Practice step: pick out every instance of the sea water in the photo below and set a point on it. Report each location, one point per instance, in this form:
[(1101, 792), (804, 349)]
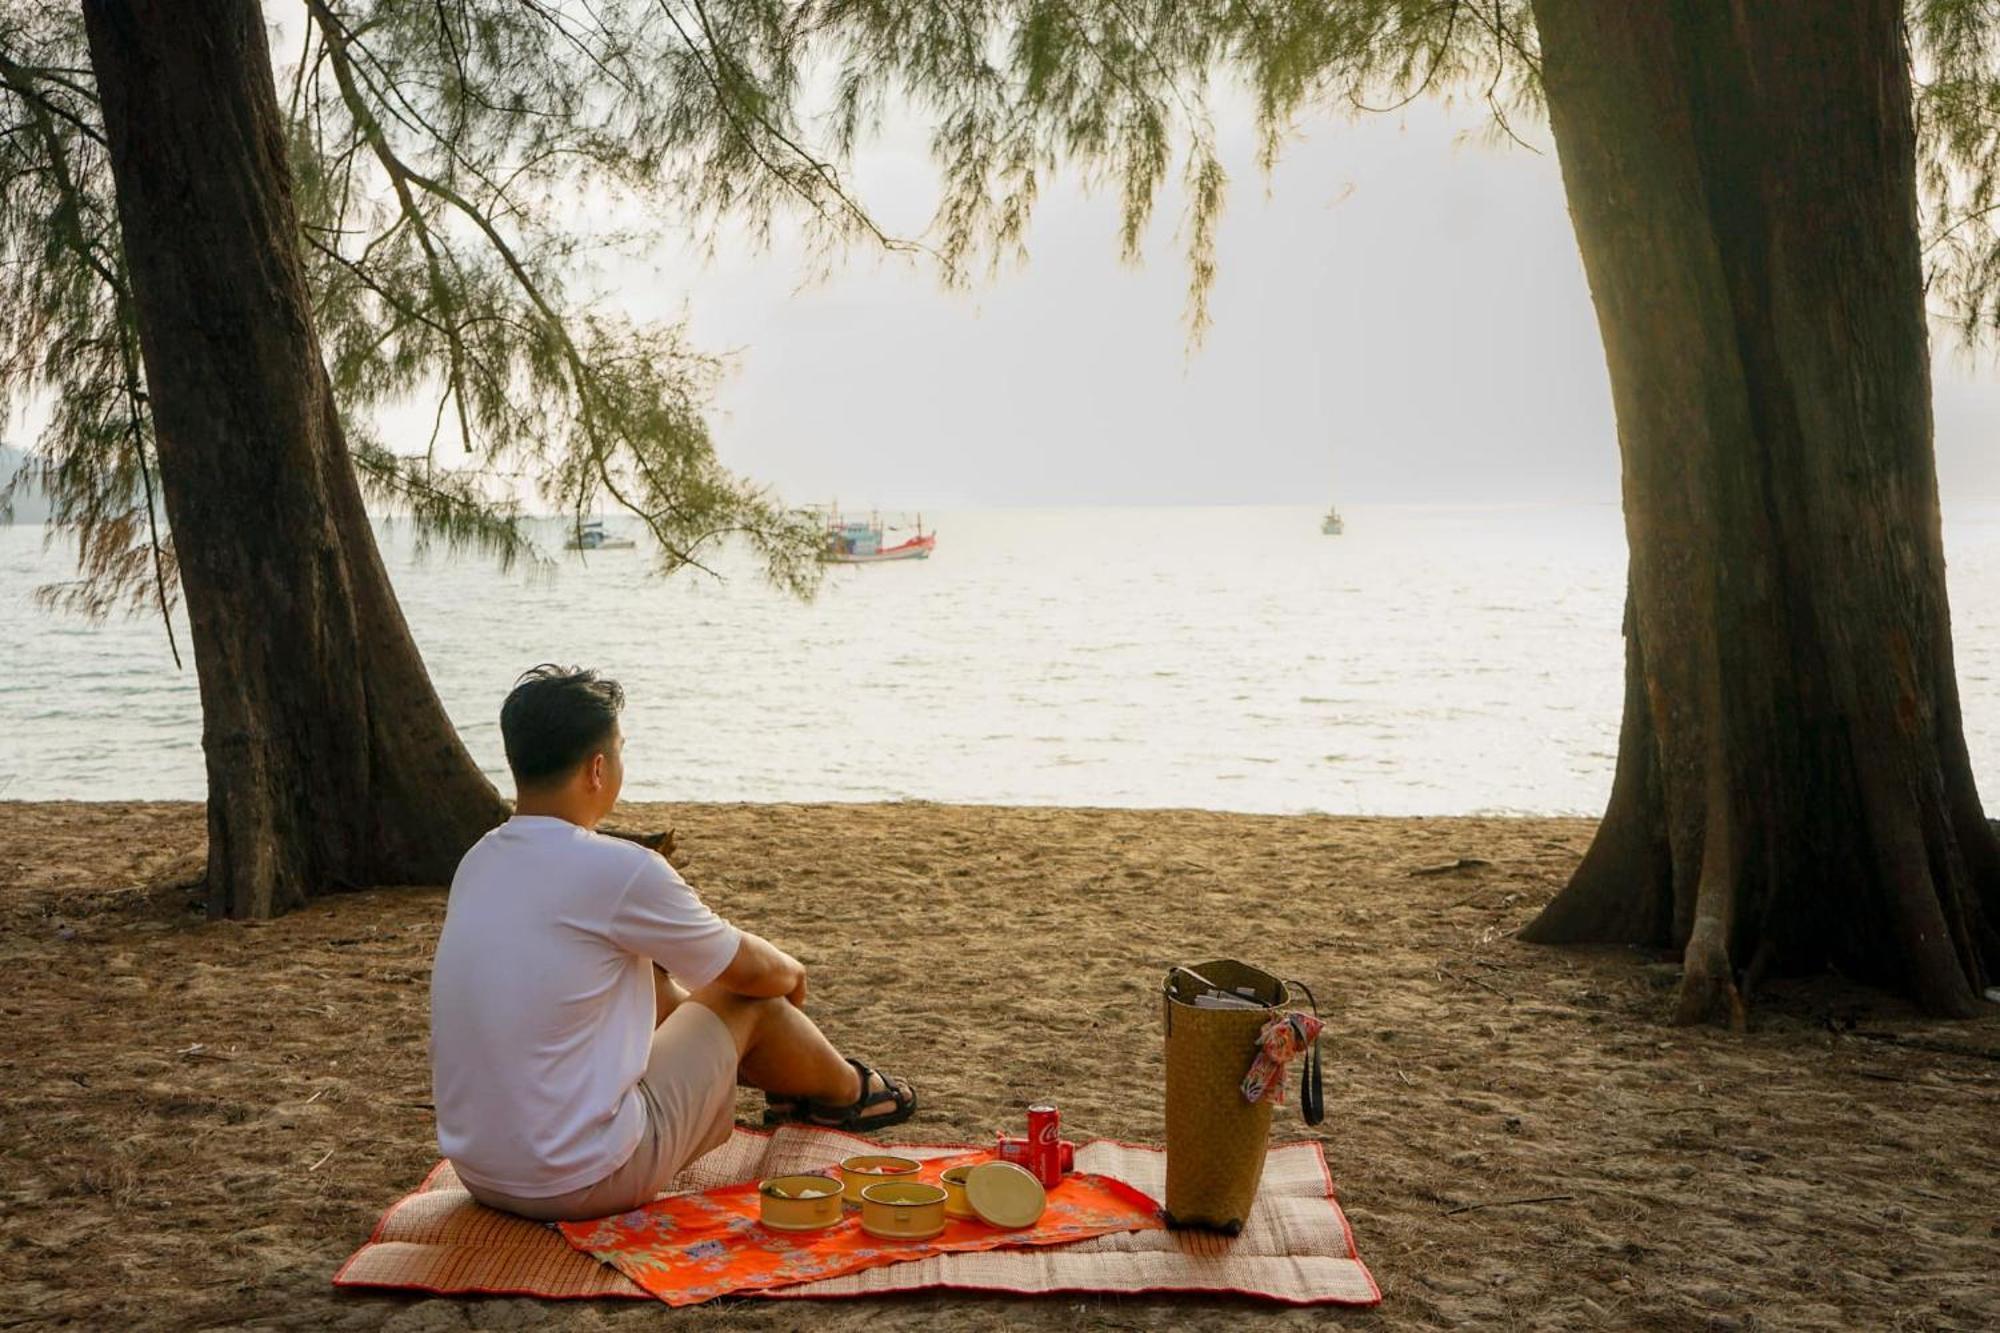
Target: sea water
[(1428, 661)]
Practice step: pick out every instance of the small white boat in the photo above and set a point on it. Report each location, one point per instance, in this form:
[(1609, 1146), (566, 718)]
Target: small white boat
[(591, 536), (1332, 525)]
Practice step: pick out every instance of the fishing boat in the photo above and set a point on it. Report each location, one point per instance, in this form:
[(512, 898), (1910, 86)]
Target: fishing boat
[(1332, 525), (591, 536), (861, 541)]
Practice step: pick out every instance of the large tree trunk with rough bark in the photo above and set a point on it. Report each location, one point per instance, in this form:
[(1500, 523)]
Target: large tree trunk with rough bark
[(1793, 792), (330, 760)]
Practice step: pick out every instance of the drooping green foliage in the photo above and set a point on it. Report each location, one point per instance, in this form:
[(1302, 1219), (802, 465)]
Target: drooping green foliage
[(1956, 76), (66, 323), (454, 165), (1119, 90), (459, 167)]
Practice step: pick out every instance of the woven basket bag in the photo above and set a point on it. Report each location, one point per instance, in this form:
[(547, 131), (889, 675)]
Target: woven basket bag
[(1216, 1141)]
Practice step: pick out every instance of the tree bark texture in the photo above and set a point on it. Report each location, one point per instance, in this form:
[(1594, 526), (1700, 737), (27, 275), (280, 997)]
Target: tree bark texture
[(330, 760), (1793, 791)]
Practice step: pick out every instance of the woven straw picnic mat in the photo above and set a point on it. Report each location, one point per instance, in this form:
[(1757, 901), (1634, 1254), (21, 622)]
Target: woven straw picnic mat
[(1296, 1248)]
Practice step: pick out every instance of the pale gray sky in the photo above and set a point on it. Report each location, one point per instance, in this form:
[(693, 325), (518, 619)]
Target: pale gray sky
[(1402, 316)]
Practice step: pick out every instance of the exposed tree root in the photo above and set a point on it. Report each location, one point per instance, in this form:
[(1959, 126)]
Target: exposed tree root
[(1708, 990)]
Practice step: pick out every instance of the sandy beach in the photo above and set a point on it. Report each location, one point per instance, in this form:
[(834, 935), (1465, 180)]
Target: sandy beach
[(199, 1121)]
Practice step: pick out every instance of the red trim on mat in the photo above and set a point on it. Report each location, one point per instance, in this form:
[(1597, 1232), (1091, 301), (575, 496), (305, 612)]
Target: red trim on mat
[(1346, 1227), (613, 1295), (1261, 1297)]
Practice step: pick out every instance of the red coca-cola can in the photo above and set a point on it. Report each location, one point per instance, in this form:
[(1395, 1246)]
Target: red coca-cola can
[(1018, 1150), (1045, 1143)]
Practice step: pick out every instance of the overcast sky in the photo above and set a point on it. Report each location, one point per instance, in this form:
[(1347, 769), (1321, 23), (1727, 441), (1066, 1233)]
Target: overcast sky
[(1399, 316)]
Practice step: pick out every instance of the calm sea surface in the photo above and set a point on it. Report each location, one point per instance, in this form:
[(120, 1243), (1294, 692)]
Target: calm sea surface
[(1430, 661)]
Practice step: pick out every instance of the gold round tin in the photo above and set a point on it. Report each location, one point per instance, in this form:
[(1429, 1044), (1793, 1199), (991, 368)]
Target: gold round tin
[(799, 1203), (903, 1210), (872, 1169), (955, 1202), (1005, 1195)]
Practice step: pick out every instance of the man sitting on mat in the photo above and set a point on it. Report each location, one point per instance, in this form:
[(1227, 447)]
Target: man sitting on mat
[(572, 1079)]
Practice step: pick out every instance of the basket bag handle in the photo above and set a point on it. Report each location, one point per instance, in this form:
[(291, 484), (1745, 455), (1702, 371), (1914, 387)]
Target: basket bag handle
[(1312, 1094)]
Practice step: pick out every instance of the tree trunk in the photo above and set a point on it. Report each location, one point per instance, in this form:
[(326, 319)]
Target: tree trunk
[(330, 760), (1793, 792)]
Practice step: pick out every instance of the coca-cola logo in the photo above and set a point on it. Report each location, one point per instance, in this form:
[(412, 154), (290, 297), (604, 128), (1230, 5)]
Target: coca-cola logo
[(1048, 1134)]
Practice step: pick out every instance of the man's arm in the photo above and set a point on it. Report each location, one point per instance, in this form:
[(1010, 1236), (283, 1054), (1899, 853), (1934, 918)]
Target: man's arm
[(763, 970)]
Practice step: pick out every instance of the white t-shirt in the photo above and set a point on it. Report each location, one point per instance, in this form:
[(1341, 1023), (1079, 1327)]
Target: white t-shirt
[(542, 1001)]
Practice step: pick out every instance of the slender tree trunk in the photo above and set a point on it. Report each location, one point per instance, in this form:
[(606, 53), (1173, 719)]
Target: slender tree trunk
[(1793, 791), (330, 760)]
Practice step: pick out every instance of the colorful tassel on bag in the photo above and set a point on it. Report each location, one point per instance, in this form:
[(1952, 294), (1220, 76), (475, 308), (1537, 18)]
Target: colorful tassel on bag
[(1284, 1039)]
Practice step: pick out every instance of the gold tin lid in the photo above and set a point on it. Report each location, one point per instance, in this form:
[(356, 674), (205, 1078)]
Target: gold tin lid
[(1005, 1195), (880, 1164)]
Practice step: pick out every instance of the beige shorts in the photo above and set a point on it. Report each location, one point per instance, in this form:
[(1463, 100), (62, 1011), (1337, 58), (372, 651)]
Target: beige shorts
[(689, 1094)]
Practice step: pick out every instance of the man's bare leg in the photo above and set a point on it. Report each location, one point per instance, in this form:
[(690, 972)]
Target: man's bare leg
[(781, 1050)]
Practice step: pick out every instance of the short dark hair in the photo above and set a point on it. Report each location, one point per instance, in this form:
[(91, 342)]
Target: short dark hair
[(555, 717)]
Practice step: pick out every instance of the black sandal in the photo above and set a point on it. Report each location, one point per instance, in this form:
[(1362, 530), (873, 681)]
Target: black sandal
[(849, 1117)]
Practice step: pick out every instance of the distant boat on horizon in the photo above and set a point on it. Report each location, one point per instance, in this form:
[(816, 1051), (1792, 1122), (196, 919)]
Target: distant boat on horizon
[(1332, 525), (860, 541), (591, 536)]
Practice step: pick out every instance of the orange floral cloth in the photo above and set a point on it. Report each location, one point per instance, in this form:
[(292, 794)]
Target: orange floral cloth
[(694, 1247)]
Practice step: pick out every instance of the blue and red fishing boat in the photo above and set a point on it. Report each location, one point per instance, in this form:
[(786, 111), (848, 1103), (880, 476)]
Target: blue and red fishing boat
[(861, 541)]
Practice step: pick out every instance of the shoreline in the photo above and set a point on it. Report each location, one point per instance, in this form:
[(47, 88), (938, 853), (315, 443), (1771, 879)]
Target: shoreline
[(204, 1118), (889, 802)]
